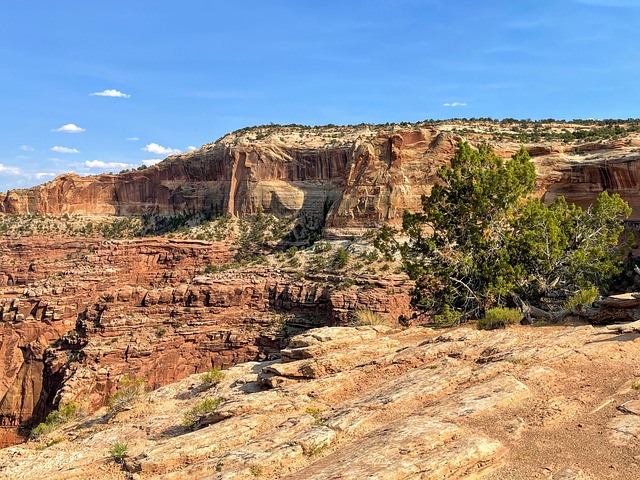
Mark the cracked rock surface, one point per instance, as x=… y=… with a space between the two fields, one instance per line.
x=374 y=402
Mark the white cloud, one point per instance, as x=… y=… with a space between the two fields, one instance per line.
x=9 y=170
x=454 y=104
x=69 y=128
x=26 y=148
x=64 y=150
x=110 y=93
x=41 y=175
x=160 y=150
x=133 y=139
x=151 y=161
x=101 y=164
x=191 y=148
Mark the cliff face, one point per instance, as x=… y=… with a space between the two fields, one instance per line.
x=46 y=285
x=367 y=179
x=343 y=177
x=76 y=315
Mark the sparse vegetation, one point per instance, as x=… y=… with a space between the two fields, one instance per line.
x=129 y=391
x=366 y=316
x=340 y=258
x=256 y=470
x=193 y=416
x=316 y=413
x=499 y=317
x=316 y=449
x=582 y=297
x=213 y=377
x=118 y=451
x=65 y=413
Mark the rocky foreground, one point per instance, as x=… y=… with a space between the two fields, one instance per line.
x=548 y=402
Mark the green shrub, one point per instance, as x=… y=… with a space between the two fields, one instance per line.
x=481 y=236
x=118 y=451
x=581 y=297
x=499 y=317
x=129 y=391
x=340 y=258
x=448 y=316
x=202 y=408
x=65 y=413
x=256 y=470
x=213 y=377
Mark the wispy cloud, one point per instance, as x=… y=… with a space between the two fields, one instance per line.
x=64 y=150
x=110 y=93
x=133 y=139
x=101 y=164
x=69 y=128
x=9 y=170
x=26 y=148
x=191 y=148
x=160 y=150
x=41 y=175
x=454 y=104
x=151 y=161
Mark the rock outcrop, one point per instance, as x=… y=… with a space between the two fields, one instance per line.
x=343 y=178
x=374 y=402
x=76 y=315
x=46 y=285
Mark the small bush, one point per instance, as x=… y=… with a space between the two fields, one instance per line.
x=448 y=316
x=65 y=413
x=499 y=317
x=581 y=297
x=365 y=316
x=118 y=451
x=213 y=377
x=340 y=258
x=129 y=391
x=194 y=415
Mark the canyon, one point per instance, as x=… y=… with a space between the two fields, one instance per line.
x=78 y=315
x=344 y=179
x=79 y=311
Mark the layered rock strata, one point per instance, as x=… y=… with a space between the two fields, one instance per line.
x=141 y=308
x=47 y=284
x=345 y=178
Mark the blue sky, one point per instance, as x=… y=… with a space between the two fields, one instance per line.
x=100 y=86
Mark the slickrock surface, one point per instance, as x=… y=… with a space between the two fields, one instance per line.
x=346 y=179
x=378 y=403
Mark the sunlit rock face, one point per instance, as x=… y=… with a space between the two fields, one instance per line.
x=343 y=178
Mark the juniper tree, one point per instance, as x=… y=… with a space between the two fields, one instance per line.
x=481 y=240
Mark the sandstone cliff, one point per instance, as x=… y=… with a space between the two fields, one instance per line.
x=76 y=315
x=345 y=178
